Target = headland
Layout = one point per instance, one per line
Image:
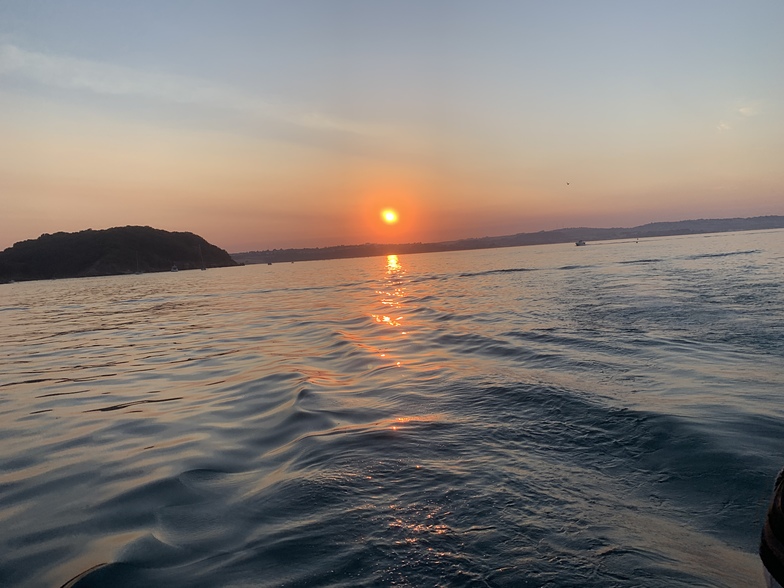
(119, 250)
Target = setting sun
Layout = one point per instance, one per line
(389, 216)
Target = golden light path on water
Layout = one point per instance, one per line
(414, 526)
(395, 290)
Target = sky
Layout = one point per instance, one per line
(294, 123)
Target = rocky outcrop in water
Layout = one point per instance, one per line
(120, 250)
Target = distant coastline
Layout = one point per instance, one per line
(658, 229)
(128, 250)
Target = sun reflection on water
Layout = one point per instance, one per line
(392, 300)
(391, 295)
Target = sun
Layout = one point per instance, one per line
(389, 216)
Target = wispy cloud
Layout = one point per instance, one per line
(739, 114)
(748, 110)
(116, 80)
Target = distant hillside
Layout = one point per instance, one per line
(120, 250)
(541, 238)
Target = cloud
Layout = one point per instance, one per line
(115, 80)
(102, 78)
(749, 110)
(739, 114)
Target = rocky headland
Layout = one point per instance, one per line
(119, 250)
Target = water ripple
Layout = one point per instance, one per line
(612, 422)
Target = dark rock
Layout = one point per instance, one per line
(120, 250)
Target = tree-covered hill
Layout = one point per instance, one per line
(119, 250)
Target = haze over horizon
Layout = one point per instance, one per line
(262, 125)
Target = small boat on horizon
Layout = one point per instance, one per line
(580, 243)
(175, 268)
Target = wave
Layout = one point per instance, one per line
(640, 261)
(494, 271)
(727, 254)
(545, 476)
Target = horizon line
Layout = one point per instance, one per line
(452, 241)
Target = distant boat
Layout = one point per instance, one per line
(580, 243)
(174, 268)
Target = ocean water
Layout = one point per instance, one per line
(608, 415)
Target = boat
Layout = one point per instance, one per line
(580, 243)
(174, 268)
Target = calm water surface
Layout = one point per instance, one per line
(609, 415)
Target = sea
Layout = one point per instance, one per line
(545, 416)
